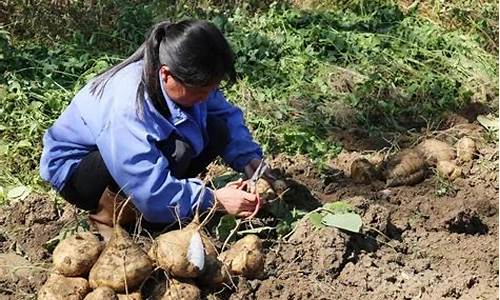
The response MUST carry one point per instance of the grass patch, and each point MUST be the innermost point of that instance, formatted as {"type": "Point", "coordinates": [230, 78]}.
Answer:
{"type": "Point", "coordinates": [302, 72]}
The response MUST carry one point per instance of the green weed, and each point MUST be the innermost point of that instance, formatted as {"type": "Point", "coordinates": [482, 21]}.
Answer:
{"type": "Point", "coordinates": [444, 187]}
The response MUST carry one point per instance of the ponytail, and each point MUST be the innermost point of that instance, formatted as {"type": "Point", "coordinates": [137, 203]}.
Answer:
{"type": "Point", "coordinates": [151, 69]}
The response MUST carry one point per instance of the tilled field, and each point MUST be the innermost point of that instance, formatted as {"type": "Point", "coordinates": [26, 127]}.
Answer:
{"type": "Point", "coordinates": [436, 239]}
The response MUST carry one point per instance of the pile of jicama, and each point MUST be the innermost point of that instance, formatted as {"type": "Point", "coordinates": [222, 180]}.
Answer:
{"type": "Point", "coordinates": [85, 268]}
{"type": "Point", "coordinates": [410, 166]}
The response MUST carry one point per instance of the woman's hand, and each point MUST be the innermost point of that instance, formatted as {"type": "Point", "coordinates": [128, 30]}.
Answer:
{"type": "Point", "coordinates": [235, 201]}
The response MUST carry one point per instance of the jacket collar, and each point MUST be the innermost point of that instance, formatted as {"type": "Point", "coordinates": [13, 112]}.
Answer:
{"type": "Point", "coordinates": [177, 115]}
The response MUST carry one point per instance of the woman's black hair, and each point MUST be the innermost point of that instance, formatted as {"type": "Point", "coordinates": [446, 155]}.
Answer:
{"type": "Point", "coordinates": [196, 53]}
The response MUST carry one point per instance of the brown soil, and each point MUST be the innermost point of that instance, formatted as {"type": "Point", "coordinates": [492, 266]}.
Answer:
{"type": "Point", "coordinates": [25, 228]}
{"type": "Point", "coordinates": [433, 240]}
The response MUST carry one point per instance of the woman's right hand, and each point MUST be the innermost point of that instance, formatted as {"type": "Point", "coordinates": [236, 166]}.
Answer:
{"type": "Point", "coordinates": [235, 201]}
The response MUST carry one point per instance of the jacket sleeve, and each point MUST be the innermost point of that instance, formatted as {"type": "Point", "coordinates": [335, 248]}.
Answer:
{"type": "Point", "coordinates": [138, 166]}
{"type": "Point", "coordinates": [241, 148]}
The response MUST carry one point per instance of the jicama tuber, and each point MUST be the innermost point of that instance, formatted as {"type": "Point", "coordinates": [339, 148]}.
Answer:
{"type": "Point", "coordinates": [466, 149]}
{"type": "Point", "coordinates": [265, 190]}
{"type": "Point", "coordinates": [58, 287]}
{"type": "Point", "coordinates": [122, 265]}
{"type": "Point", "coordinates": [435, 151]}
{"type": "Point", "coordinates": [177, 289]}
{"type": "Point", "coordinates": [75, 255]}
{"type": "Point", "coordinates": [182, 252]}
{"type": "Point", "coordinates": [405, 168]}
{"type": "Point", "coordinates": [215, 274]}
{"type": "Point", "coordinates": [245, 257]}
{"type": "Point", "coordinates": [131, 296]}
{"type": "Point", "coordinates": [448, 169]}
{"type": "Point", "coordinates": [102, 293]}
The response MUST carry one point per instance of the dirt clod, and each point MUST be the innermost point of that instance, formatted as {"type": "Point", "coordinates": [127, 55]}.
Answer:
{"type": "Point", "coordinates": [466, 221]}
{"type": "Point", "coordinates": [307, 256]}
{"type": "Point", "coordinates": [377, 217]}
{"type": "Point", "coordinates": [363, 171]}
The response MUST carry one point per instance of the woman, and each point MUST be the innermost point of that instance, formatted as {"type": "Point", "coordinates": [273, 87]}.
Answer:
{"type": "Point", "coordinates": [148, 125]}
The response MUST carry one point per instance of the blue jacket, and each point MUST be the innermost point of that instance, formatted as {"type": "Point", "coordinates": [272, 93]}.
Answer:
{"type": "Point", "coordinates": [127, 140]}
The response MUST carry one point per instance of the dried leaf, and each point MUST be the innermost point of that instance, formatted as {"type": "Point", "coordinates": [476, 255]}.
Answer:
{"type": "Point", "coordinates": [18, 193]}
{"type": "Point", "coordinates": [489, 122]}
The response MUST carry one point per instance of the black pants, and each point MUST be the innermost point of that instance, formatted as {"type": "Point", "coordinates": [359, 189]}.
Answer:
{"type": "Point", "coordinates": [91, 177]}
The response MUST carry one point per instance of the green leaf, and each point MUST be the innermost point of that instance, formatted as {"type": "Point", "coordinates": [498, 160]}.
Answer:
{"type": "Point", "coordinates": [316, 220]}
{"type": "Point", "coordinates": [298, 213]}
{"type": "Point", "coordinates": [51, 244]}
{"type": "Point", "coordinates": [226, 224]}
{"type": "Point", "coordinates": [23, 144]}
{"type": "Point", "coordinates": [280, 210]}
{"type": "Point", "coordinates": [348, 221]}
{"type": "Point", "coordinates": [36, 104]}
{"type": "Point", "coordinates": [4, 149]}
{"type": "Point", "coordinates": [222, 180]}
{"type": "Point", "coordinates": [283, 228]}
{"type": "Point", "coordinates": [339, 207]}
{"type": "Point", "coordinates": [2, 194]}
